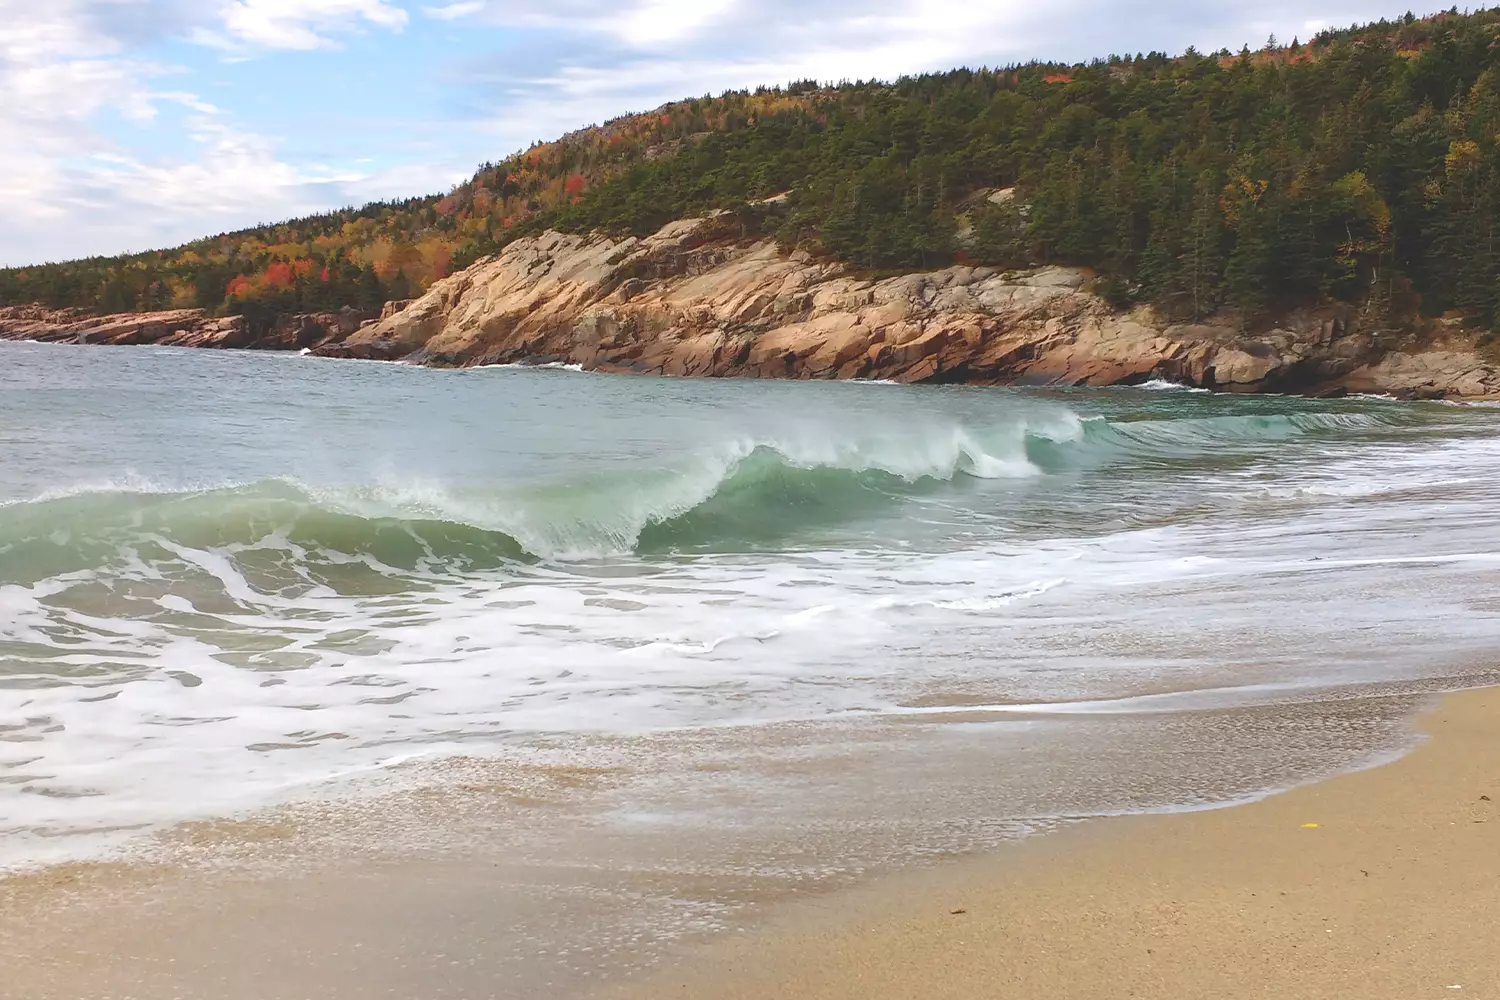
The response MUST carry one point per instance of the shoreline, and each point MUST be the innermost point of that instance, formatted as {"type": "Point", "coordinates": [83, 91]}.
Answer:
{"type": "Point", "coordinates": [1394, 396]}
{"type": "Point", "coordinates": [1383, 882]}
{"type": "Point", "coordinates": [449, 924]}
{"type": "Point", "coordinates": [948, 331]}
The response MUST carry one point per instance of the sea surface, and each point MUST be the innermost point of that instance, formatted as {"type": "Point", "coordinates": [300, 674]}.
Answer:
{"type": "Point", "coordinates": [875, 622]}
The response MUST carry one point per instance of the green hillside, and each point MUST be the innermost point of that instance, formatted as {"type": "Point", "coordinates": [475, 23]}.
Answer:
{"type": "Point", "coordinates": [1361, 167]}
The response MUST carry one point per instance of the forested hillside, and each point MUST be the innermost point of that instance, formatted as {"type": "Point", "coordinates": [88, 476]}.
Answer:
{"type": "Point", "coordinates": [1360, 166]}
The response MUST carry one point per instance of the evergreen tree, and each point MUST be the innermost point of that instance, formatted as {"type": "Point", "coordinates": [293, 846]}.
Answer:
{"type": "Point", "coordinates": [370, 296]}
{"type": "Point", "coordinates": [400, 286]}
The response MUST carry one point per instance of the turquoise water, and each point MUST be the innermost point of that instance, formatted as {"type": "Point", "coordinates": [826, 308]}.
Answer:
{"type": "Point", "coordinates": [226, 579]}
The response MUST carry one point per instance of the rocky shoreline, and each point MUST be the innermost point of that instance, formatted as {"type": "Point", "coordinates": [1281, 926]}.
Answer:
{"type": "Point", "coordinates": [689, 302]}
{"type": "Point", "coordinates": [175, 328]}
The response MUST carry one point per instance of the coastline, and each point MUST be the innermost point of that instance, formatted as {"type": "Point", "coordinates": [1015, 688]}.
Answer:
{"type": "Point", "coordinates": [691, 301]}
{"type": "Point", "coordinates": [1396, 888]}
{"type": "Point", "coordinates": [1393, 393]}
{"type": "Point", "coordinates": [1379, 883]}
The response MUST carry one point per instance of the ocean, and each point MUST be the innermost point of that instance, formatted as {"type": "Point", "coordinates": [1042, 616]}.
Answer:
{"type": "Point", "coordinates": [781, 633]}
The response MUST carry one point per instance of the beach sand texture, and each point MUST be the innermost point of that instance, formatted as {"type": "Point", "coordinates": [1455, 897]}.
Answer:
{"type": "Point", "coordinates": [1379, 884]}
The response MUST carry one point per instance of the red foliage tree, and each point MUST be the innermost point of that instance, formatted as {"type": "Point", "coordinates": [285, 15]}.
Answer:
{"type": "Point", "coordinates": [279, 275]}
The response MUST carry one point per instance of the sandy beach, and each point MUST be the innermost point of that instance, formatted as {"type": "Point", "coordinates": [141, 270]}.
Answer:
{"type": "Point", "coordinates": [1382, 883]}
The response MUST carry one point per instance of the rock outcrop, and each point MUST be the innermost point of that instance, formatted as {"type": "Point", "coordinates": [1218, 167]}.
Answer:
{"type": "Point", "coordinates": [188, 327]}
{"type": "Point", "coordinates": [175, 328]}
{"type": "Point", "coordinates": [691, 300]}
{"type": "Point", "coordinates": [684, 303]}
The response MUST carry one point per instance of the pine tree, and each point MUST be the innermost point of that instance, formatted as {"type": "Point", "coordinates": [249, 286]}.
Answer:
{"type": "Point", "coordinates": [400, 286]}
{"type": "Point", "coordinates": [1201, 261]}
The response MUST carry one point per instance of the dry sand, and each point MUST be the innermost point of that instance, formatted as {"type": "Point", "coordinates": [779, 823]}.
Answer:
{"type": "Point", "coordinates": [1393, 893]}
{"type": "Point", "coordinates": [1380, 884]}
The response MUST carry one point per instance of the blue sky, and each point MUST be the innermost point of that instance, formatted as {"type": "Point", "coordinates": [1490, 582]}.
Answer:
{"type": "Point", "coordinates": [132, 124]}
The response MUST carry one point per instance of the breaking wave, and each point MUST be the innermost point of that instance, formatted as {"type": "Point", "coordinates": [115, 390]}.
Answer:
{"type": "Point", "coordinates": [743, 495]}
{"type": "Point", "coordinates": [1100, 442]}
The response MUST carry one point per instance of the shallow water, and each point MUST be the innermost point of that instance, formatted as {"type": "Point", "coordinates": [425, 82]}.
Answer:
{"type": "Point", "coordinates": [800, 629]}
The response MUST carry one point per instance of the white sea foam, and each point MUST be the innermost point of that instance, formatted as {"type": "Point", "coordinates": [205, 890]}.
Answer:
{"type": "Point", "coordinates": [126, 483]}
{"type": "Point", "coordinates": [1166, 385]}
{"type": "Point", "coordinates": [305, 597]}
{"type": "Point", "coordinates": [561, 366]}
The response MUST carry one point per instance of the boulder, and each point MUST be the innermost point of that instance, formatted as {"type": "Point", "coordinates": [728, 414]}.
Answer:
{"type": "Point", "coordinates": [364, 350]}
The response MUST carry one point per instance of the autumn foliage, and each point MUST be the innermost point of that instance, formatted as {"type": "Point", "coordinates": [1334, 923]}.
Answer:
{"type": "Point", "coordinates": [1362, 166]}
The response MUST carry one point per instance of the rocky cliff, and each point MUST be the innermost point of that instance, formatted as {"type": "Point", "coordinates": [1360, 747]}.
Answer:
{"type": "Point", "coordinates": [690, 301]}
{"type": "Point", "coordinates": [694, 300]}
{"type": "Point", "coordinates": [175, 328]}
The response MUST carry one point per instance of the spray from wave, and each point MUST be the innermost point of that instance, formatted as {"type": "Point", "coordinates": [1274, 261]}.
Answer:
{"type": "Point", "coordinates": [741, 495]}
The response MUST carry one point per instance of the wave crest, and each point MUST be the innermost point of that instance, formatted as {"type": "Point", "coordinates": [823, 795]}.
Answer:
{"type": "Point", "coordinates": [744, 494]}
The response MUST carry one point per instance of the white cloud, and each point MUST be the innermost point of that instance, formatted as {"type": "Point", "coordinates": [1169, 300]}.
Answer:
{"type": "Point", "coordinates": [868, 31]}
{"type": "Point", "coordinates": [454, 11]}
{"type": "Point", "coordinates": [296, 24]}
{"type": "Point", "coordinates": [68, 189]}
{"type": "Point", "coordinates": [57, 73]}
{"type": "Point", "coordinates": [652, 22]}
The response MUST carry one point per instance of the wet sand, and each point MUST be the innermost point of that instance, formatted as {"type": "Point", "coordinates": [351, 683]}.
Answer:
{"type": "Point", "coordinates": [1379, 884]}
{"type": "Point", "coordinates": [1395, 892]}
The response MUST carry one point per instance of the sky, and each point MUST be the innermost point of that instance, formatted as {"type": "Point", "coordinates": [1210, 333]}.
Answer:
{"type": "Point", "coordinates": [129, 125]}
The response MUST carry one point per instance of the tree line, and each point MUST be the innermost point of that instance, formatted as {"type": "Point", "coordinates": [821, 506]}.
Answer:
{"type": "Point", "coordinates": [1359, 167]}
